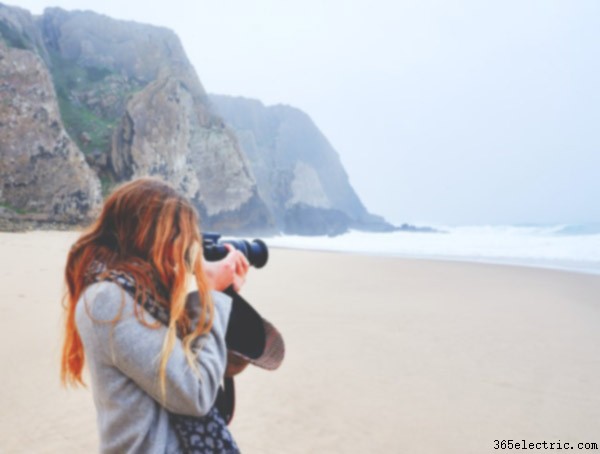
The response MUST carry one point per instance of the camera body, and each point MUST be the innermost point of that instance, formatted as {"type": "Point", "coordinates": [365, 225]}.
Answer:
{"type": "Point", "coordinates": [214, 248]}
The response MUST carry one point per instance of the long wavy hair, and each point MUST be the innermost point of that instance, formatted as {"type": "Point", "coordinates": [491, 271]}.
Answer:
{"type": "Point", "coordinates": [148, 230]}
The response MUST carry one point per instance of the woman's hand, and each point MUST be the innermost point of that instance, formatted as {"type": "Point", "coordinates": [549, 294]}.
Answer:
{"type": "Point", "coordinates": [228, 271]}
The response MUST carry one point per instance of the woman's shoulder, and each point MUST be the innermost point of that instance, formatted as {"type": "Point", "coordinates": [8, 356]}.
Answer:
{"type": "Point", "coordinates": [101, 288]}
{"type": "Point", "coordinates": [104, 300]}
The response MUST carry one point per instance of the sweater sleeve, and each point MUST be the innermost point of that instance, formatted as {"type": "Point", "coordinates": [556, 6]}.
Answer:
{"type": "Point", "coordinates": [135, 349]}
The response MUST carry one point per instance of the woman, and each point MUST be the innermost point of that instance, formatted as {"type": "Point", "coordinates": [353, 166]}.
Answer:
{"type": "Point", "coordinates": [155, 363]}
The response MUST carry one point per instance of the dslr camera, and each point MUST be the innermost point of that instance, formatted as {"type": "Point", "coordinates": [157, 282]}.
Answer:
{"type": "Point", "coordinates": [214, 248]}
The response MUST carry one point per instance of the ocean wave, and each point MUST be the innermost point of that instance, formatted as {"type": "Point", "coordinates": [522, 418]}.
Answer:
{"type": "Point", "coordinates": [547, 246]}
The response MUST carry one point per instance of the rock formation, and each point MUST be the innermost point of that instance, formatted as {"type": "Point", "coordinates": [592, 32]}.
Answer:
{"type": "Point", "coordinates": [43, 175]}
{"type": "Point", "coordinates": [130, 99]}
{"type": "Point", "coordinates": [88, 102]}
{"type": "Point", "coordinates": [164, 125]}
{"type": "Point", "coordinates": [163, 133]}
{"type": "Point", "coordinates": [299, 174]}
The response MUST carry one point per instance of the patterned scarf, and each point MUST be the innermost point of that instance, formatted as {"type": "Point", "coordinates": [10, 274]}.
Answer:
{"type": "Point", "coordinates": [197, 435]}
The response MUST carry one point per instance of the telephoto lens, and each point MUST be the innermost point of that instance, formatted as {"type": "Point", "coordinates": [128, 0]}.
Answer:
{"type": "Point", "coordinates": [214, 248]}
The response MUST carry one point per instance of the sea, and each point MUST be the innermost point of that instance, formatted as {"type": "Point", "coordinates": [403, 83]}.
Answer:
{"type": "Point", "coordinates": [569, 247]}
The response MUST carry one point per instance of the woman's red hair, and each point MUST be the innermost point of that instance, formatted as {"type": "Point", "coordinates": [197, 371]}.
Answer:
{"type": "Point", "coordinates": [146, 229]}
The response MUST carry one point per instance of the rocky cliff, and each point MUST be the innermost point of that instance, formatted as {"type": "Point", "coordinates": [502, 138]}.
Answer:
{"type": "Point", "coordinates": [298, 172]}
{"type": "Point", "coordinates": [88, 102]}
{"type": "Point", "coordinates": [132, 102]}
{"type": "Point", "coordinates": [43, 175]}
{"type": "Point", "coordinates": [159, 120]}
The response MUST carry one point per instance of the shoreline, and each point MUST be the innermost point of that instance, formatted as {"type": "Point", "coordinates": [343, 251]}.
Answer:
{"type": "Point", "coordinates": [540, 247]}
{"type": "Point", "coordinates": [552, 266]}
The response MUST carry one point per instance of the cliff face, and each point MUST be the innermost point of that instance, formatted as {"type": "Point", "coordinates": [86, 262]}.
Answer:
{"type": "Point", "coordinates": [298, 172]}
{"type": "Point", "coordinates": [43, 175]}
{"type": "Point", "coordinates": [164, 133]}
{"type": "Point", "coordinates": [160, 122]}
{"type": "Point", "coordinates": [88, 102]}
{"type": "Point", "coordinates": [91, 40]}
{"type": "Point", "coordinates": [134, 105]}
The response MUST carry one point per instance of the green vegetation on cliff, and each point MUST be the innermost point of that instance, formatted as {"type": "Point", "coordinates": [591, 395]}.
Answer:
{"type": "Point", "coordinates": [91, 102]}
{"type": "Point", "coordinates": [8, 206]}
{"type": "Point", "coordinates": [90, 130]}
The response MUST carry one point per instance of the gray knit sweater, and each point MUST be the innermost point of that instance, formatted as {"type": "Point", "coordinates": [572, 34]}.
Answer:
{"type": "Point", "coordinates": [123, 359]}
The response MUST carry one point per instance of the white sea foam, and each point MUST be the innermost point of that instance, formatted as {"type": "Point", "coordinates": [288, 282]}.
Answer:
{"type": "Point", "coordinates": [540, 246]}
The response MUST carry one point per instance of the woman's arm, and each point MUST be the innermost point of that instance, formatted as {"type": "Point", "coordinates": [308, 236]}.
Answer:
{"type": "Point", "coordinates": [135, 349]}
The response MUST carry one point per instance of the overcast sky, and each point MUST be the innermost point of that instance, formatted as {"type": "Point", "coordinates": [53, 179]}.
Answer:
{"type": "Point", "coordinates": [452, 112]}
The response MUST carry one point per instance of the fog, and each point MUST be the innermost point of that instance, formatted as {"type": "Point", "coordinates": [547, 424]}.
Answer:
{"type": "Point", "coordinates": [462, 112]}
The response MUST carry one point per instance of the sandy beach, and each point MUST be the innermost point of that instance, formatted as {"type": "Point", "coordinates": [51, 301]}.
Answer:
{"type": "Point", "coordinates": [384, 355]}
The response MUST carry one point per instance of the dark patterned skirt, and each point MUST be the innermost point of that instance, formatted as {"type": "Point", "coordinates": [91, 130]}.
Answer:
{"type": "Point", "coordinates": [206, 435]}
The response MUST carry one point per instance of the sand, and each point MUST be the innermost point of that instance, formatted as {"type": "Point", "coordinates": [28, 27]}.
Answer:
{"type": "Point", "coordinates": [384, 355]}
